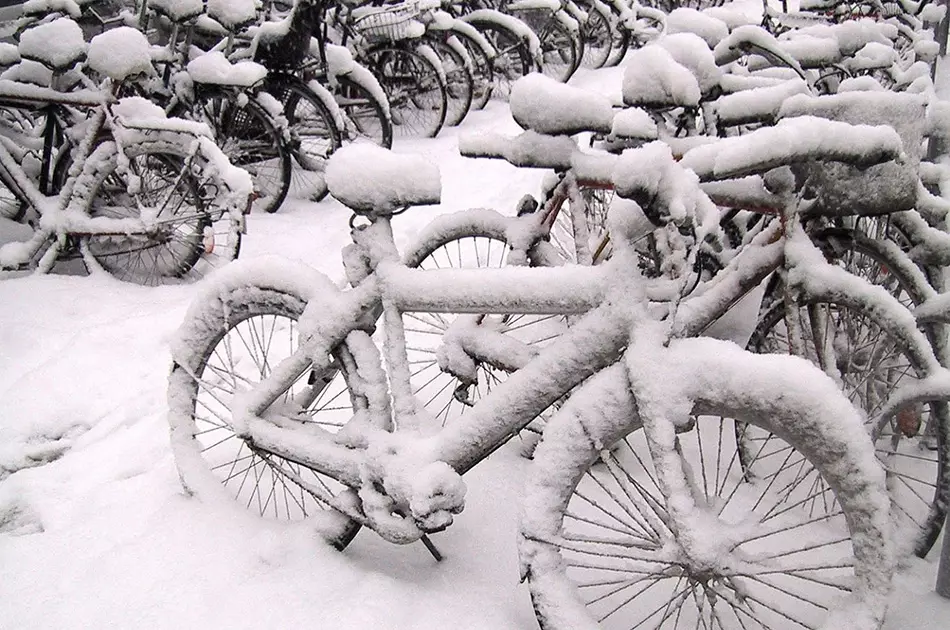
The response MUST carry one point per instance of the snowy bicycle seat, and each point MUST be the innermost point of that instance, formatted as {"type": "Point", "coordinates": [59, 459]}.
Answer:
{"type": "Point", "coordinates": [373, 181]}
{"type": "Point", "coordinates": [179, 11]}
{"type": "Point", "coordinates": [59, 45]}
{"type": "Point", "coordinates": [541, 104]}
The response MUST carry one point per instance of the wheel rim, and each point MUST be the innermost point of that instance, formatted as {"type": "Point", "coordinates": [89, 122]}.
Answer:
{"type": "Point", "coordinates": [189, 239]}
{"type": "Point", "coordinates": [266, 484]}
{"type": "Point", "coordinates": [365, 119]}
{"type": "Point", "coordinates": [314, 138]}
{"type": "Point", "coordinates": [632, 573]}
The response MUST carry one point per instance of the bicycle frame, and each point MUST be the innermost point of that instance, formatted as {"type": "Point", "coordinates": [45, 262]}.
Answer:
{"type": "Point", "coordinates": [613, 301]}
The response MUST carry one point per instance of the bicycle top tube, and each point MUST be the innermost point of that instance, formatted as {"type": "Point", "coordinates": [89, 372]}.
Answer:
{"type": "Point", "coordinates": [14, 93]}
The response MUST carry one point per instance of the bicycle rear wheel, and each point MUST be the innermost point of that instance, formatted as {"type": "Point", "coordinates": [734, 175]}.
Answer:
{"type": "Point", "coordinates": [191, 236]}
{"type": "Point", "coordinates": [871, 361]}
{"type": "Point", "coordinates": [464, 245]}
{"type": "Point", "coordinates": [560, 49]}
{"type": "Point", "coordinates": [415, 89]}
{"type": "Point", "coordinates": [234, 342]}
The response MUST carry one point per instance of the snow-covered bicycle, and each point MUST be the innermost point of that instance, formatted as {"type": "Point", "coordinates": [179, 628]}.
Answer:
{"type": "Point", "coordinates": [149, 199]}
{"type": "Point", "coordinates": [279, 404]}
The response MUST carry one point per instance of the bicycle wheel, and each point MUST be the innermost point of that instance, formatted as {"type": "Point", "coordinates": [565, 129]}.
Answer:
{"type": "Point", "coordinates": [314, 135]}
{"type": "Point", "coordinates": [249, 138]}
{"type": "Point", "coordinates": [415, 89]}
{"type": "Point", "coordinates": [464, 245]}
{"type": "Point", "coordinates": [366, 118]}
{"type": "Point", "coordinates": [192, 234]}
{"type": "Point", "coordinates": [513, 59]}
{"type": "Point", "coordinates": [863, 353]}
{"type": "Point", "coordinates": [459, 81]}
{"type": "Point", "coordinates": [598, 36]}
{"type": "Point", "coordinates": [560, 50]}
{"type": "Point", "coordinates": [482, 70]}
{"type": "Point", "coordinates": [602, 550]}
{"type": "Point", "coordinates": [233, 343]}
{"type": "Point", "coordinates": [620, 39]}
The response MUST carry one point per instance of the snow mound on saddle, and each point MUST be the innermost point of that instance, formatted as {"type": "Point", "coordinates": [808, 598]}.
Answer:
{"type": "Point", "coordinates": [368, 178]}
{"type": "Point", "coordinates": [546, 106]}
{"type": "Point", "coordinates": [120, 53]}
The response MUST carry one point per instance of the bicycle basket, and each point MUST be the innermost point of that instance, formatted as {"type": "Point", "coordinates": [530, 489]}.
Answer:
{"type": "Point", "coordinates": [843, 190]}
{"type": "Point", "coordinates": [390, 23]}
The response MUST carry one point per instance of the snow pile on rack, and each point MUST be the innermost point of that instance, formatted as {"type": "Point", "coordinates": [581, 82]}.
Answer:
{"type": "Point", "coordinates": [368, 178]}
{"type": "Point", "coordinates": [693, 53]}
{"type": "Point", "coordinates": [58, 44]}
{"type": "Point", "coordinates": [541, 104]}
{"type": "Point", "coordinates": [793, 140]}
{"type": "Point", "coordinates": [709, 27]}
{"type": "Point", "coordinates": [120, 53]}
{"type": "Point", "coordinates": [178, 9]}
{"type": "Point", "coordinates": [633, 122]}
{"type": "Point", "coordinates": [214, 68]}
{"type": "Point", "coordinates": [232, 13]}
{"type": "Point", "coordinates": [653, 78]}
{"type": "Point", "coordinates": [529, 149]}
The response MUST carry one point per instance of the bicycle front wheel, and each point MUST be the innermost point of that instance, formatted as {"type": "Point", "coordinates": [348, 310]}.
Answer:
{"type": "Point", "coordinates": [314, 135]}
{"type": "Point", "coordinates": [250, 139]}
{"type": "Point", "coordinates": [365, 117]}
{"type": "Point", "coordinates": [415, 88]}
{"type": "Point", "coordinates": [603, 550]}
{"type": "Point", "coordinates": [233, 343]}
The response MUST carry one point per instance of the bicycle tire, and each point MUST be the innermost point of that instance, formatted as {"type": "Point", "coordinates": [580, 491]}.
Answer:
{"type": "Point", "coordinates": [596, 546]}
{"type": "Point", "coordinates": [192, 237]}
{"type": "Point", "coordinates": [482, 72]}
{"type": "Point", "coordinates": [314, 134]}
{"type": "Point", "coordinates": [598, 35]}
{"type": "Point", "coordinates": [415, 88]}
{"type": "Point", "coordinates": [513, 59]}
{"type": "Point", "coordinates": [560, 50]}
{"type": "Point", "coordinates": [871, 363]}
{"type": "Point", "coordinates": [250, 139]}
{"type": "Point", "coordinates": [459, 80]}
{"type": "Point", "coordinates": [239, 337]}
{"type": "Point", "coordinates": [365, 117]}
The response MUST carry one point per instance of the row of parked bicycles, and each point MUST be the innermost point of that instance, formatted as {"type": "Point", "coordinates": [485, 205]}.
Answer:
{"type": "Point", "coordinates": [278, 89]}
{"type": "Point", "coordinates": [778, 184]}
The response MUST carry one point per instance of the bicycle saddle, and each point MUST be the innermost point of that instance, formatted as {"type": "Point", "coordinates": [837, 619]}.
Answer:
{"type": "Point", "coordinates": [179, 11]}
{"type": "Point", "coordinates": [539, 103]}
{"type": "Point", "coordinates": [374, 181]}
{"type": "Point", "coordinates": [655, 80]}
{"type": "Point", "coordinates": [58, 45]}
{"type": "Point", "coordinates": [233, 14]}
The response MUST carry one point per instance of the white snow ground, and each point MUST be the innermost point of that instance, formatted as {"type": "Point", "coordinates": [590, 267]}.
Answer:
{"type": "Point", "coordinates": [103, 537]}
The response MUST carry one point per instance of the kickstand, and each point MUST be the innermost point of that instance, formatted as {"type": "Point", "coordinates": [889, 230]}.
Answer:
{"type": "Point", "coordinates": [432, 548]}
